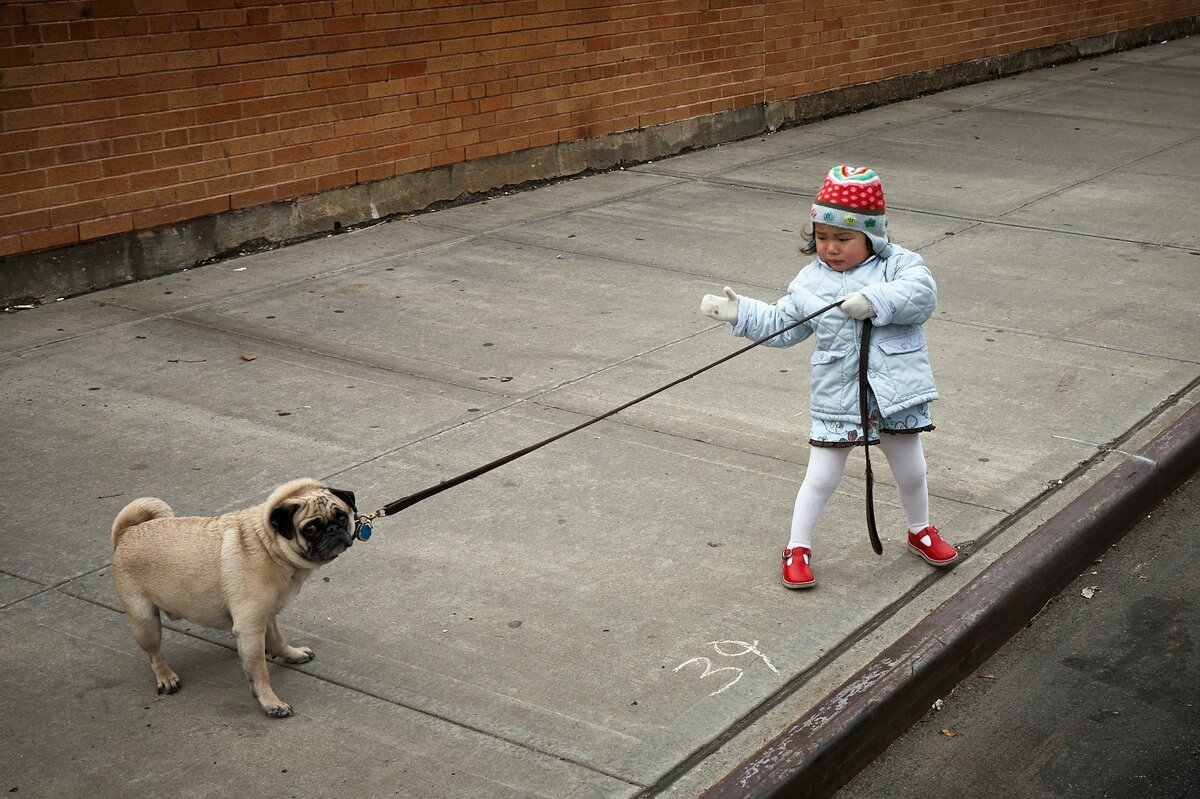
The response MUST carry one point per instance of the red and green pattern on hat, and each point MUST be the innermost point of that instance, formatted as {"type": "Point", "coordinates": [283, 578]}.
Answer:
{"type": "Point", "coordinates": [852, 198]}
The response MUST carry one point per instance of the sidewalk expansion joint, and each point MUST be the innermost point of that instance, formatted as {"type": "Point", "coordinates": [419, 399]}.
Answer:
{"type": "Point", "coordinates": [1020, 331]}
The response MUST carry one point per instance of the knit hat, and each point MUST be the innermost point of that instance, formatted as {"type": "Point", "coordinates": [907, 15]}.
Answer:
{"type": "Point", "coordinates": [852, 198]}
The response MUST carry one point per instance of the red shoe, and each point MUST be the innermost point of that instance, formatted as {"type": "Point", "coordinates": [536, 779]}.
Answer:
{"type": "Point", "coordinates": [796, 573]}
{"type": "Point", "coordinates": [928, 543]}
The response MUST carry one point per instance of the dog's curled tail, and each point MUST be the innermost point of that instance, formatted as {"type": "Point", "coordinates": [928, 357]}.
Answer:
{"type": "Point", "coordinates": [138, 511]}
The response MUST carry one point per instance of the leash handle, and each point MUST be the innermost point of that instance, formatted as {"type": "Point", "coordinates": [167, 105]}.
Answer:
{"type": "Point", "coordinates": [864, 387]}
{"type": "Point", "coordinates": [398, 505]}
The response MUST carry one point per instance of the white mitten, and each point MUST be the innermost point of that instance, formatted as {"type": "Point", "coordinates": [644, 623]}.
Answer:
{"type": "Point", "coordinates": [723, 309]}
{"type": "Point", "coordinates": [858, 306]}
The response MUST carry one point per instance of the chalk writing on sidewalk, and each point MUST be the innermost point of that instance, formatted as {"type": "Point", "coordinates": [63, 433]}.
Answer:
{"type": "Point", "coordinates": [718, 647]}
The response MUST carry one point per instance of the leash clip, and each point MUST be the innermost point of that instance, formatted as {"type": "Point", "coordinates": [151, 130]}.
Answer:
{"type": "Point", "coordinates": [362, 525]}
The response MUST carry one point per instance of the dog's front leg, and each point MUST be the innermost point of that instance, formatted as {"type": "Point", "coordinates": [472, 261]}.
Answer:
{"type": "Point", "coordinates": [278, 646]}
{"type": "Point", "coordinates": [251, 638]}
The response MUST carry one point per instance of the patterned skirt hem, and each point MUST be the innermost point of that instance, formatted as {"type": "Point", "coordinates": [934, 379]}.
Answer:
{"type": "Point", "coordinates": [870, 442]}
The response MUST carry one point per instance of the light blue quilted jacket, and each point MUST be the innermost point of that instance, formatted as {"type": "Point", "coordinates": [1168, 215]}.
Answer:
{"type": "Point", "coordinates": [899, 285]}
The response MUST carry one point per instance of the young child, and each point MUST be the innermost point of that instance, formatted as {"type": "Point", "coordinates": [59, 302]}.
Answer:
{"type": "Point", "coordinates": [891, 286]}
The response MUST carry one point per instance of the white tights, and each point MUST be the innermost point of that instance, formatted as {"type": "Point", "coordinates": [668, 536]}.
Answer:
{"type": "Point", "coordinates": [826, 465]}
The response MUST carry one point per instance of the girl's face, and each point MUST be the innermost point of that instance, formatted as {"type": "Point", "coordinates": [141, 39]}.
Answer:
{"type": "Point", "coordinates": [839, 248]}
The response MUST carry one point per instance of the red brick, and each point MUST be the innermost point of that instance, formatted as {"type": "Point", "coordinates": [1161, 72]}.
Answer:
{"type": "Point", "coordinates": [25, 181]}
{"type": "Point", "coordinates": [229, 184]}
{"type": "Point", "coordinates": [444, 157]}
{"type": "Point", "coordinates": [112, 128]}
{"type": "Point", "coordinates": [14, 162]}
{"type": "Point", "coordinates": [154, 217]}
{"type": "Point", "coordinates": [485, 150]}
{"type": "Point", "coordinates": [87, 70]}
{"type": "Point", "coordinates": [141, 104]}
{"type": "Point", "coordinates": [75, 212]}
{"type": "Point", "coordinates": [73, 174]}
{"type": "Point", "coordinates": [127, 164]}
{"type": "Point", "coordinates": [182, 192]}
{"type": "Point", "coordinates": [15, 98]}
{"type": "Point", "coordinates": [154, 179]}
{"type": "Point", "coordinates": [106, 187]}
{"type": "Point", "coordinates": [23, 221]}
{"type": "Point", "coordinates": [407, 69]}
{"type": "Point", "coordinates": [207, 115]}
{"type": "Point", "coordinates": [128, 201]}
{"type": "Point", "coordinates": [294, 188]}
{"type": "Point", "coordinates": [336, 180]}
{"type": "Point", "coordinates": [377, 172]}
{"type": "Point", "coordinates": [37, 117]}
{"type": "Point", "coordinates": [36, 240]}
{"type": "Point", "coordinates": [105, 226]}
{"type": "Point", "coordinates": [413, 163]}
{"type": "Point", "coordinates": [68, 154]}
{"type": "Point", "coordinates": [10, 245]}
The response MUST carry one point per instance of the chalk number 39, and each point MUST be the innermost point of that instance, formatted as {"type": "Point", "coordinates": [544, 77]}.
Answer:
{"type": "Point", "coordinates": [735, 671]}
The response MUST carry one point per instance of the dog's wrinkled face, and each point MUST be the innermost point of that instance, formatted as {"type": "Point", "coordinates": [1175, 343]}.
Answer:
{"type": "Point", "coordinates": [320, 525]}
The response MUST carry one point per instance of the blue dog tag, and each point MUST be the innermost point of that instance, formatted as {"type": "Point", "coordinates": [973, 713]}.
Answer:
{"type": "Point", "coordinates": [364, 532]}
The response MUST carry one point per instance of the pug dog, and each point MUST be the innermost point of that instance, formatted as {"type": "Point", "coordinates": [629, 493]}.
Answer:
{"type": "Point", "coordinates": [235, 572]}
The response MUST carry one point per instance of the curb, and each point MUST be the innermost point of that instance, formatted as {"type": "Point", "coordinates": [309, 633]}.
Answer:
{"type": "Point", "coordinates": [826, 747]}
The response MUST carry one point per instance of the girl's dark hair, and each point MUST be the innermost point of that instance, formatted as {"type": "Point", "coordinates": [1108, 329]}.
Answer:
{"type": "Point", "coordinates": [809, 245]}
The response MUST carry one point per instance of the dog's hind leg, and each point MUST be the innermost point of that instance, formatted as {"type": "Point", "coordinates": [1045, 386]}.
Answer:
{"type": "Point", "coordinates": [147, 631]}
{"type": "Point", "coordinates": [277, 646]}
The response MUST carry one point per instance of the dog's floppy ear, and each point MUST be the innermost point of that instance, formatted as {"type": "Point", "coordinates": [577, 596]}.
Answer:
{"type": "Point", "coordinates": [281, 520]}
{"type": "Point", "coordinates": [344, 496]}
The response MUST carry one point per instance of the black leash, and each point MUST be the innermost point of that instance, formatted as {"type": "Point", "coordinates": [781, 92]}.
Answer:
{"type": "Point", "coordinates": [363, 523]}
{"type": "Point", "coordinates": [864, 345]}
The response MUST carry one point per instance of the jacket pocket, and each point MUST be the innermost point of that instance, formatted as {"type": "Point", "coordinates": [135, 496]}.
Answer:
{"type": "Point", "coordinates": [908, 342]}
{"type": "Point", "coordinates": [820, 357]}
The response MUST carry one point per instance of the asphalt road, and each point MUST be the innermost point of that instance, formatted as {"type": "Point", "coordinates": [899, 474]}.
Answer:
{"type": "Point", "coordinates": [1098, 697]}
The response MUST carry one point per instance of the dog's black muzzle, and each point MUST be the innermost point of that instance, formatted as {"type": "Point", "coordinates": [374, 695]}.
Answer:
{"type": "Point", "coordinates": [329, 543]}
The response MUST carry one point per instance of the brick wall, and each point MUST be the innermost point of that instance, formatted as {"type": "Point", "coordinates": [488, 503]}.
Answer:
{"type": "Point", "coordinates": [123, 115]}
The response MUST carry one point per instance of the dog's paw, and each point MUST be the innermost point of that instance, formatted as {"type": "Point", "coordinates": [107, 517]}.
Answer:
{"type": "Point", "coordinates": [298, 654]}
{"type": "Point", "coordinates": [168, 683]}
{"type": "Point", "coordinates": [278, 711]}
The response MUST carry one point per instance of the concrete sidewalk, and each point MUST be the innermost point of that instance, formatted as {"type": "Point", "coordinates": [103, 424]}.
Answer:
{"type": "Point", "coordinates": [602, 618]}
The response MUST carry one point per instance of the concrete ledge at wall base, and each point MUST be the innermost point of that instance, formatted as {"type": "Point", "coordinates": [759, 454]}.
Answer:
{"type": "Point", "coordinates": [34, 278]}
{"type": "Point", "coordinates": [825, 748]}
